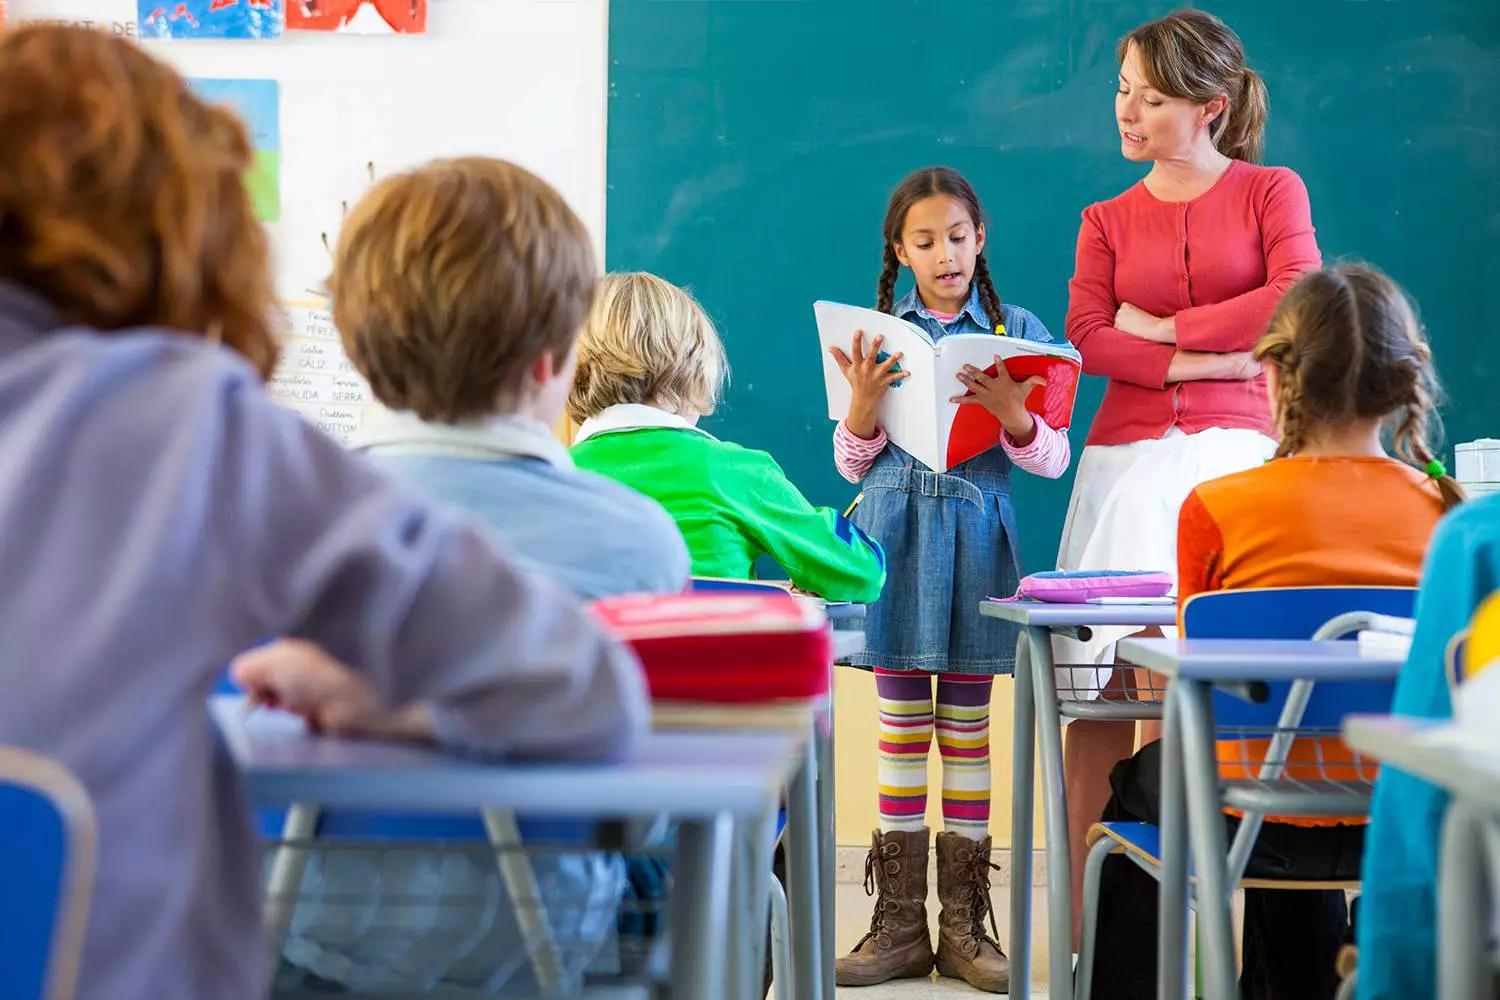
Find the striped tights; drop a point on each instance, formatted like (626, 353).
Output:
(909, 717)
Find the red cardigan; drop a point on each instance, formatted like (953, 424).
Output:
(1219, 263)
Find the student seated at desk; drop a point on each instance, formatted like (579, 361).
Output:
(459, 289)
(161, 514)
(1397, 930)
(650, 364)
(1345, 359)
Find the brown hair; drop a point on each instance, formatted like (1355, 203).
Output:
(122, 194)
(1192, 55)
(925, 184)
(450, 280)
(649, 342)
(1346, 345)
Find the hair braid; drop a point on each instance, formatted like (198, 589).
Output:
(1412, 445)
(885, 290)
(988, 297)
(1289, 414)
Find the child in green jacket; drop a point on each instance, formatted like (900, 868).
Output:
(650, 363)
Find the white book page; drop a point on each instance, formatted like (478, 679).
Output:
(908, 411)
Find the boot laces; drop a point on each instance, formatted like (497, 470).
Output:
(977, 882)
(876, 878)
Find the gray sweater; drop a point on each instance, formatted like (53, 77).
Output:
(158, 515)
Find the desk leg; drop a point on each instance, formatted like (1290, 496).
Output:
(1172, 928)
(754, 844)
(1206, 837)
(285, 884)
(1462, 918)
(1055, 808)
(1023, 749)
(827, 850)
(804, 873)
(700, 907)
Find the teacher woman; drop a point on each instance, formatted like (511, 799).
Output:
(1175, 281)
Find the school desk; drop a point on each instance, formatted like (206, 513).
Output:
(809, 837)
(1039, 714)
(1469, 770)
(715, 786)
(1189, 779)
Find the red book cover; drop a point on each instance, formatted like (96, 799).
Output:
(724, 647)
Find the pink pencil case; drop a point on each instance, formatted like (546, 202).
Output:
(1081, 586)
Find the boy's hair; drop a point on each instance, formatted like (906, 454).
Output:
(450, 280)
(647, 341)
(1346, 345)
(925, 184)
(1192, 55)
(122, 193)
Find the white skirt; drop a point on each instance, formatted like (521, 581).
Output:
(1123, 516)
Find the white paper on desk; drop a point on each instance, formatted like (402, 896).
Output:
(1153, 601)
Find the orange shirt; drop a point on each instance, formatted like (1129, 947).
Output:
(1306, 522)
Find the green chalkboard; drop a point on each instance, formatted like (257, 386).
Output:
(753, 143)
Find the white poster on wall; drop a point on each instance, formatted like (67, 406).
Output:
(523, 80)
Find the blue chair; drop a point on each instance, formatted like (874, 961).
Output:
(49, 837)
(1275, 713)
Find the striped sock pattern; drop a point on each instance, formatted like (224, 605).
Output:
(963, 737)
(905, 738)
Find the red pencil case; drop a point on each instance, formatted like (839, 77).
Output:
(730, 648)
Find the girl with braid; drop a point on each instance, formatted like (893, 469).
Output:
(1346, 361)
(951, 541)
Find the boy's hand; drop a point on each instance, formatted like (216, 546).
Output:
(869, 376)
(1003, 396)
(300, 678)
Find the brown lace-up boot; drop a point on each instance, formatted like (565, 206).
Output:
(964, 950)
(898, 945)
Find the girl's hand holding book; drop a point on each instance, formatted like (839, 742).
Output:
(1004, 397)
(870, 374)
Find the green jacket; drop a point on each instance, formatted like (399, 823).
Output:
(732, 505)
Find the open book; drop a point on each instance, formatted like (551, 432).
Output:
(917, 412)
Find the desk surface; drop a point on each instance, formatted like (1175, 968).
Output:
(1436, 751)
(1258, 659)
(694, 774)
(1044, 615)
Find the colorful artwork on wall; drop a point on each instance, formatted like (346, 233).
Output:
(232, 19)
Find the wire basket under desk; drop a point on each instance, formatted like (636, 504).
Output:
(448, 920)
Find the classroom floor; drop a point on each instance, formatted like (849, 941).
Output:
(853, 918)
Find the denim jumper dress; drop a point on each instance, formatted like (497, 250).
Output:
(949, 538)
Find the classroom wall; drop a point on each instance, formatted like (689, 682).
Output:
(519, 79)
(753, 146)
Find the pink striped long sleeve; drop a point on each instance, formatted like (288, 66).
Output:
(853, 456)
(1047, 455)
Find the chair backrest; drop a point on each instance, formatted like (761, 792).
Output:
(1293, 613)
(48, 844)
